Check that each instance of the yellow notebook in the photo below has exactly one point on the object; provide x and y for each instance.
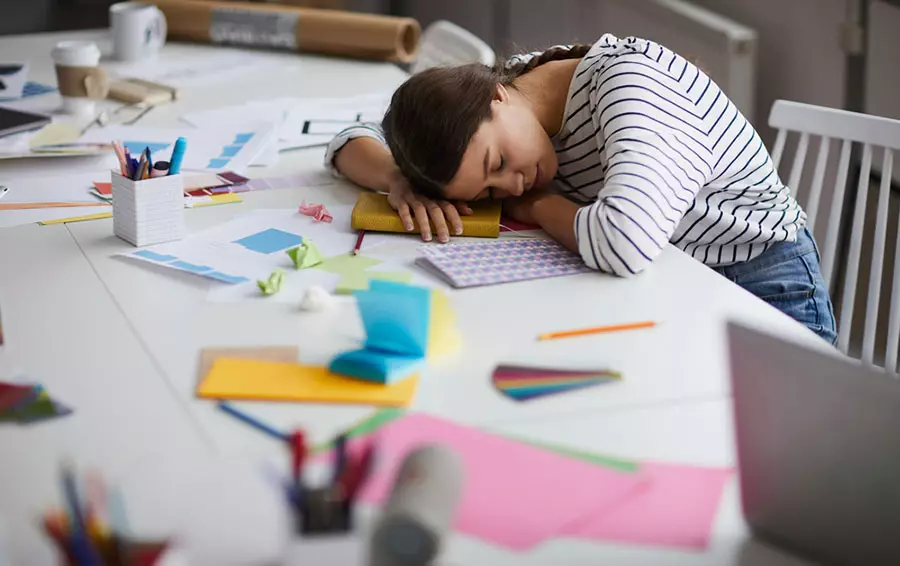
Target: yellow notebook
(373, 212)
(257, 380)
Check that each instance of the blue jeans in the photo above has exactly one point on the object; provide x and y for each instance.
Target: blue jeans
(787, 277)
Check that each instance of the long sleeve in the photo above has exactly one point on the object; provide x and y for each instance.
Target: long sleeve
(656, 158)
(363, 130)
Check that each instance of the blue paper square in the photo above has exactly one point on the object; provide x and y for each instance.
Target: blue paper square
(147, 254)
(270, 241)
(230, 150)
(225, 278)
(241, 139)
(192, 267)
(218, 163)
(136, 147)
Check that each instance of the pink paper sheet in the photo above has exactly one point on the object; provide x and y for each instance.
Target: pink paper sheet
(675, 508)
(515, 495)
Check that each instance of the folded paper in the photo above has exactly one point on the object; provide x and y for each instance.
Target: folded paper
(305, 255)
(28, 403)
(317, 211)
(271, 285)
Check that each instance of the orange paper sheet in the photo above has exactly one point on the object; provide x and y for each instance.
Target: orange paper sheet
(258, 380)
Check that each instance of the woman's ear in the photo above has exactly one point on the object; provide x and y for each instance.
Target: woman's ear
(501, 94)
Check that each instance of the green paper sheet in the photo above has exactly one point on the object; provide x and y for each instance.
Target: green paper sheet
(359, 281)
(365, 427)
(273, 284)
(305, 255)
(347, 264)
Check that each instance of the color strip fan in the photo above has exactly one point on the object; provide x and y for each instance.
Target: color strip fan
(522, 383)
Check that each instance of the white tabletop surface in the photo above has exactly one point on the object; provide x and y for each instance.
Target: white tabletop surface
(119, 343)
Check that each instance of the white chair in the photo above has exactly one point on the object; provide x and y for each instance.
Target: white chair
(872, 132)
(446, 44)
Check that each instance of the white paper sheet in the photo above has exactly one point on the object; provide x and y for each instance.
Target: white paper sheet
(316, 121)
(222, 149)
(301, 122)
(181, 70)
(67, 188)
(224, 253)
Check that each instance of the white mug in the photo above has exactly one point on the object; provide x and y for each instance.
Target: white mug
(138, 30)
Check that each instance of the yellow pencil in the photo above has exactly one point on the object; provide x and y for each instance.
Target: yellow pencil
(597, 330)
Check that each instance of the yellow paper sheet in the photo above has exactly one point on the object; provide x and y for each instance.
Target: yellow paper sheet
(208, 356)
(443, 334)
(232, 378)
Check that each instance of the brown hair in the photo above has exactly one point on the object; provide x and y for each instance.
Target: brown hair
(434, 114)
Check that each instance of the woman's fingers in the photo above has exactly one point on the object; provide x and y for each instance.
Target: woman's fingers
(421, 213)
(463, 208)
(440, 223)
(452, 217)
(405, 216)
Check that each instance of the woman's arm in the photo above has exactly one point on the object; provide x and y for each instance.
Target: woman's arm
(366, 162)
(360, 154)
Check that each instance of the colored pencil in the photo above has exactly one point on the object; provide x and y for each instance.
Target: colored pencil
(359, 240)
(597, 330)
(252, 421)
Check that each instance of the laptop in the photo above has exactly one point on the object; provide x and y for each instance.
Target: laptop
(818, 444)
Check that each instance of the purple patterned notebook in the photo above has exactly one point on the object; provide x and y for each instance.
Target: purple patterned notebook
(503, 261)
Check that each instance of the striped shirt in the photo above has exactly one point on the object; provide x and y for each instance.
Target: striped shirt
(655, 152)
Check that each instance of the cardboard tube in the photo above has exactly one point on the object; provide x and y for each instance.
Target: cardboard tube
(331, 32)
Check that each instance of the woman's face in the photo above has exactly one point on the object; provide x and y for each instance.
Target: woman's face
(508, 155)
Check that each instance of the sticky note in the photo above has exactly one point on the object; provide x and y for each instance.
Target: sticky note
(285, 354)
(443, 334)
(395, 317)
(347, 264)
(232, 378)
(359, 281)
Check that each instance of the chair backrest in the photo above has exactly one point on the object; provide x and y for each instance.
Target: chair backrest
(445, 44)
(872, 132)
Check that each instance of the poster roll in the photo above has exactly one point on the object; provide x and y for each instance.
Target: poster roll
(330, 32)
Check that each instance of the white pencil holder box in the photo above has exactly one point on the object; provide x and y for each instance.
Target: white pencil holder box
(150, 211)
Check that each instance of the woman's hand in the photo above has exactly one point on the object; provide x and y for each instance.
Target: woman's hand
(441, 212)
(521, 209)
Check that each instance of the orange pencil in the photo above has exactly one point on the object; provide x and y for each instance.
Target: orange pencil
(597, 330)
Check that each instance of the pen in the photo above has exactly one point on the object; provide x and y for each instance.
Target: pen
(340, 459)
(3, 191)
(252, 421)
(177, 156)
(149, 161)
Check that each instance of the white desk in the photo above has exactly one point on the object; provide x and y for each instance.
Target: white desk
(119, 342)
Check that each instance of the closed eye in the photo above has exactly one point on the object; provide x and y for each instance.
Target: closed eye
(502, 164)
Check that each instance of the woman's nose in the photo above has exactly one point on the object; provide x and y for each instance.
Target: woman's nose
(517, 185)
